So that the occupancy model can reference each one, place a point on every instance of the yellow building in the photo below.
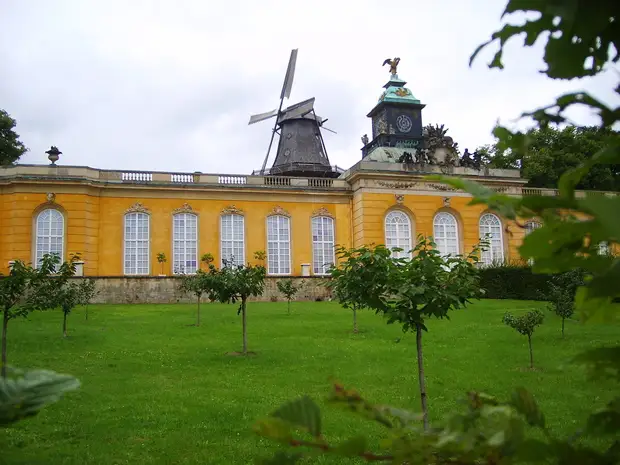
(119, 221)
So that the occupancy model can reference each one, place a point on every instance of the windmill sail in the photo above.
(290, 74)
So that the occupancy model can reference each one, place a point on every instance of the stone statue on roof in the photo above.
(393, 64)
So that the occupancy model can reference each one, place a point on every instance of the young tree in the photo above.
(199, 284)
(64, 293)
(562, 294)
(11, 148)
(161, 259)
(288, 288)
(238, 283)
(26, 289)
(361, 279)
(525, 324)
(87, 293)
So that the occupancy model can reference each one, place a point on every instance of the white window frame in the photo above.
(39, 236)
(287, 259)
(148, 242)
(320, 246)
(234, 243)
(442, 240)
(488, 257)
(406, 252)
(179, 268)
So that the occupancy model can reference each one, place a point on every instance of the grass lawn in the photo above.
(157, 390)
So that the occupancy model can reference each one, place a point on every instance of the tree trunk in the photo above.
(289, 307)
(529, 340)
(245, 332)
(198, 313)
(423, 400)
(5, 324)
(355, 320)
(563, 326)
(86, 308)
(64, 325)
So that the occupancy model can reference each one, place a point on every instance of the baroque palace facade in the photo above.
(297, 211)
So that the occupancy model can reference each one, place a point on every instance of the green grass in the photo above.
(157, 390)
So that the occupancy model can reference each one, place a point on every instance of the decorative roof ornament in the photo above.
(53, 154)
(137, 208)
(50, 197)
(446, 202)
(185, 208)
(278, 210)
(393, 65)
(232, 210)
(400, 198)
(322, 212)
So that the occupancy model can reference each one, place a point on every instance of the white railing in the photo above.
(225, 179)
(277, 181)
(134, 176)
(181, 178)
(320, 182)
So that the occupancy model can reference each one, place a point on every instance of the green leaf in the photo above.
(351, 447)
(274, 428)
(303, 412)
(524, 402)
(601, 362)
(25, 395)
(606, 421)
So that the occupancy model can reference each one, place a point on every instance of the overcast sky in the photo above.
(170, 85)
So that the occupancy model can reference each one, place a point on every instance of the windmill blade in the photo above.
(299, 110)
(327, 129)
(290, 74)
(262, 116)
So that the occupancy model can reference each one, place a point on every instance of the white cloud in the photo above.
(161, 85)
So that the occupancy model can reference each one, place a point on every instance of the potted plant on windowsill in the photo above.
(161, 259)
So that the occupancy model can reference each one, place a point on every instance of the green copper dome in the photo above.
(395, 91)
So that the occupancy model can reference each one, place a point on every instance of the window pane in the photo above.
(278, 245)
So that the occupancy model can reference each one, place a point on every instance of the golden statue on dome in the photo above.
(393, 64)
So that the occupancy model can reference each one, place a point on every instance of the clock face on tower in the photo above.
(404, 123)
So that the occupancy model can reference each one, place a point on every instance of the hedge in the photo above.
(514, 282)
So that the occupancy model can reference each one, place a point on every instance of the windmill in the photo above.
(301, 149)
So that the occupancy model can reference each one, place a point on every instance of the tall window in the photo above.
(232, 245)
(185, 243)
(530, 226)
(136, 243)
(278, 245)
(322, 244)
(491, 225)
(445, 234)
(50, 232)
(398, 233)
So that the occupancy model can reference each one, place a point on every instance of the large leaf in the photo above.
(25, 395)
(303, 412)
(524, 402)
(601, 362)
(351, 447)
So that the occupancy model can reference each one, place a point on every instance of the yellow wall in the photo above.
(94, 226)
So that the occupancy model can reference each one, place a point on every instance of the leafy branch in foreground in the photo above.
(24, 393)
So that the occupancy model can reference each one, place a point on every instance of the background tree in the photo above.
(525, 324)
(11, 148)
(561, 296)
(288, 288)
(553, 151)
(87, 294)
(238, 283)
(26, 289)
(360, 281)
(199, 284)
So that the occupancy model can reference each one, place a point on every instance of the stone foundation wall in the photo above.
(160, 290)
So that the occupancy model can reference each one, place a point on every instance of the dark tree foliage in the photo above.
(552, 151)
(11, 148)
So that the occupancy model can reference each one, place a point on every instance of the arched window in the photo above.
(490, 224)
(184, 243)
(398, 233)
(322, 244)
(232, 239)
(278, 245)
(136, 247)
(446, 234)
(50, 234)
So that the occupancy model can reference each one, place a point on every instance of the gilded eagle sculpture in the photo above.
(393, 64)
